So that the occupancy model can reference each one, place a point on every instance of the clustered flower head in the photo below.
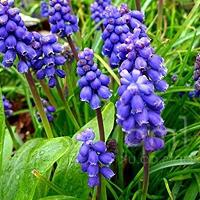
(114, 34)
(15, 40)
(48, 58)
(44, 8)
(61, 19)
(119, 24)
(137, 53)
(94, 158)
(7, 107)
(93, 84)
(97, 9)
(197, 73)
(49, 110)
(139, 111)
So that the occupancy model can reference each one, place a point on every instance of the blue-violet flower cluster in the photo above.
(49, 110)
(44, 8)
(48, 58)
(7, 107)
(93, 84)
(94, 158)
(140, 55)
(119, 25)
(61, 19)
(139, 111)
(15, 40)
(97, 9)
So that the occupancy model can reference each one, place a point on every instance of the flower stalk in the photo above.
(146, 175)
(100, 124)
(72, 46)
(39, 105)
(138, 4)
(160, 15)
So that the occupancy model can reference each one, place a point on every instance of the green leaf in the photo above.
(17, 179)
(191, 192)
(7, 148)
(59, 197)
(174, 163)
(2, 131)
(68, 175)
(108, 119)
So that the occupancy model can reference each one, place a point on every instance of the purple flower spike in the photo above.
(44, 8)
(61, 19)
(49, 110)
(94, 158)
(14, 38)
(97, 10)
(48, 58)
(7, 107)
(139, 109)
(93, 84)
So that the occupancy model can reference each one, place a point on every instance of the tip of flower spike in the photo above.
(7, 2)
(86, 135)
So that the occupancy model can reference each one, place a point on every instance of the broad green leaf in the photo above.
(108, 119)
(59, 197)
(68, 175)
(17, 180)
(7, 148)
(2, 131)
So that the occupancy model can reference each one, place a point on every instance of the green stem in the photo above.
(28, 98)
(48, 93)
(86, 113)
(67, 108)
(39, 105)
(146, 175)
(74, 97)
(16, 143)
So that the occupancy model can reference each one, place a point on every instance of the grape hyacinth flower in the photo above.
(49, 110)
(61, 19)
(49, 58)
(115, 32)
(97, 9)
(197, 73)
(93, 84)
(139, 111)
(7, 107)
(141, 56)
(15, 40)
(44, 8)
(94, 158)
